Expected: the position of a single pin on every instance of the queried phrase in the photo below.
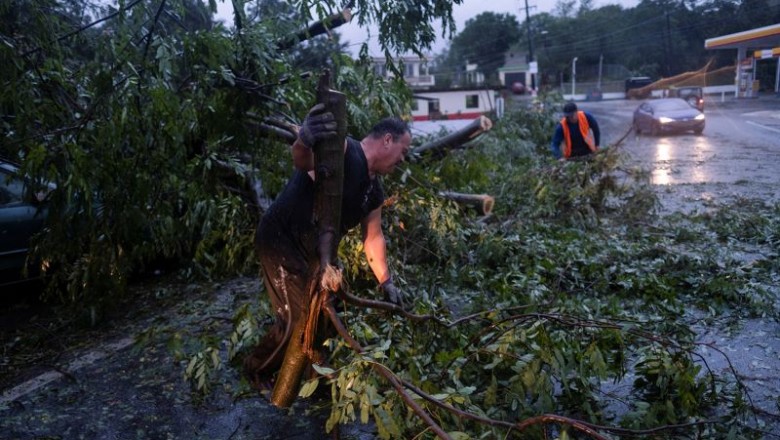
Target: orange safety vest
(584, 129)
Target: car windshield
(672, 104)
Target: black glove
(318, 125)
(392, 293)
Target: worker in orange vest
(579, 132)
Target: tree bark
(458, 138)
(328, 189)
(318, 28)
(483, 203)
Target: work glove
(392, 293)
(318, 125)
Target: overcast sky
(355, 35)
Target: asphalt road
(737, 156)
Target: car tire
(698, 131)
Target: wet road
(737, 156)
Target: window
(415, 105)
(11, 189)
(472, 101)
(409, 70)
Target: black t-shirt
(287, 228)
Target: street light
(573, 76)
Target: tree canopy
(657, 38)
(484, 41)
(137, 111)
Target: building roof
(763, 37)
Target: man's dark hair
(570, 108)
(395, 126)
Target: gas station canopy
(751, 45)
(766, 37)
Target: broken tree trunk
(329, 177)
(328, 188)
(482, 203)
(458, 138)
(318, 28)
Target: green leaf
(309, 387)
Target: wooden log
(318, 28)
(483, 203)
(455, 139)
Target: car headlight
(665, 120)
(699, 117)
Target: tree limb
(384, 372)
(317, 28)
(457, 138)
(483, 203)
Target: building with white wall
(415, 71)
(452, 104)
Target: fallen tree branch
(483, 203)
(384, 372)
(457, 138)
(274, 132)
(399, 385)
(318, 28)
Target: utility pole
(601, 63)
(668, 45)
(530, 47)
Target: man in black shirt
(286, 238)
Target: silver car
(667, 115)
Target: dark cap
(570, 108)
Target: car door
(20, 219)
(645, 117)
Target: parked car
(518, 88)
(638, 82)
(694, 96)
(22, 215)
(667, 115)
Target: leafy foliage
(572, 295)
(576, 305)
(143, 121)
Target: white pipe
(777, 77)
(573, 76)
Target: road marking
(763, 126)
(50, 376)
